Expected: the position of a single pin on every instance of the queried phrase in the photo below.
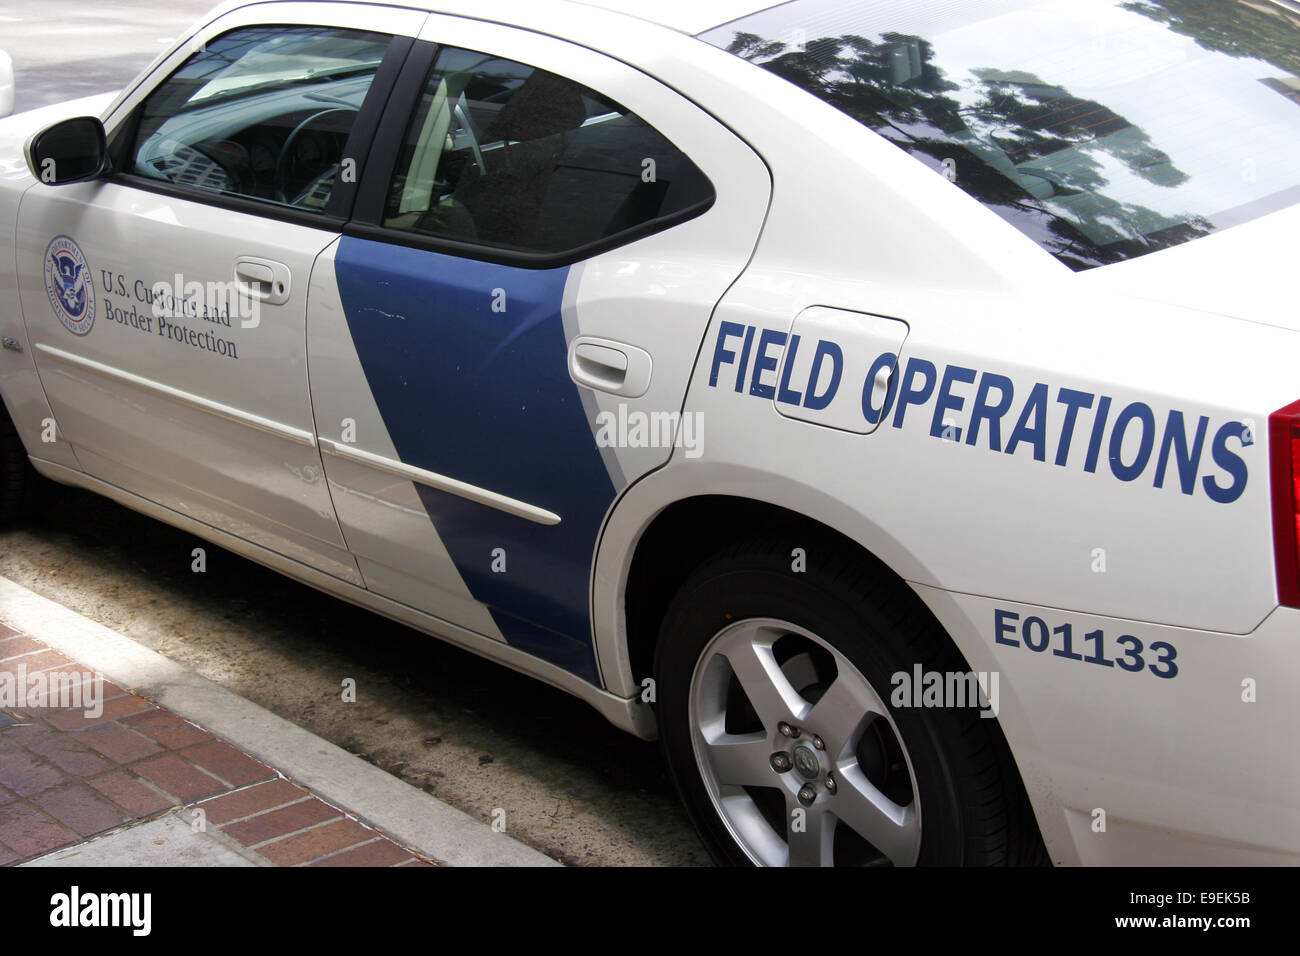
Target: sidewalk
(112, 755)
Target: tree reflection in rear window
(1103, 129)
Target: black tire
(22, 491)
(972, 807)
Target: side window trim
(367, 125)
(385, 147)
(341, 202)
(362, 229)
(367, 220)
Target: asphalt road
(472, 733)
(62, 50)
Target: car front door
(166, 303)
(500, 343)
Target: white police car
(892, 406)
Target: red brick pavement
(65, 777)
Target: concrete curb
(409, 815)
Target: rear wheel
(773, 690)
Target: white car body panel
(1255, 254)
(6, 84)
(1194, 776)
(1061, 528)
(617, 710)
(18, 379)
(687, 16)
(385, 524)
(648, 296)
(247, 460)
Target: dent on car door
(512, 318)
(167, 303)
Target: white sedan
(892, 407)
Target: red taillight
(1284, 458)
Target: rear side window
(260, 113)
(505, 155)
(1103, 130)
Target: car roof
(685, 16)
(688, 16)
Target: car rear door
(501, 341)
(167, 303)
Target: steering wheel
(283, 161)
(460, 112)
(232, 159)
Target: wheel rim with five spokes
(798, 752)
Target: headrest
(544, 105)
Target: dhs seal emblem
(70, 286)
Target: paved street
(62, 50)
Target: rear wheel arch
(686, 533)
(692, 533)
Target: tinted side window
(506, 155)
(261, 112)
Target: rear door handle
(263, 279)
(610, 366)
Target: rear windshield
(1103, 129)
